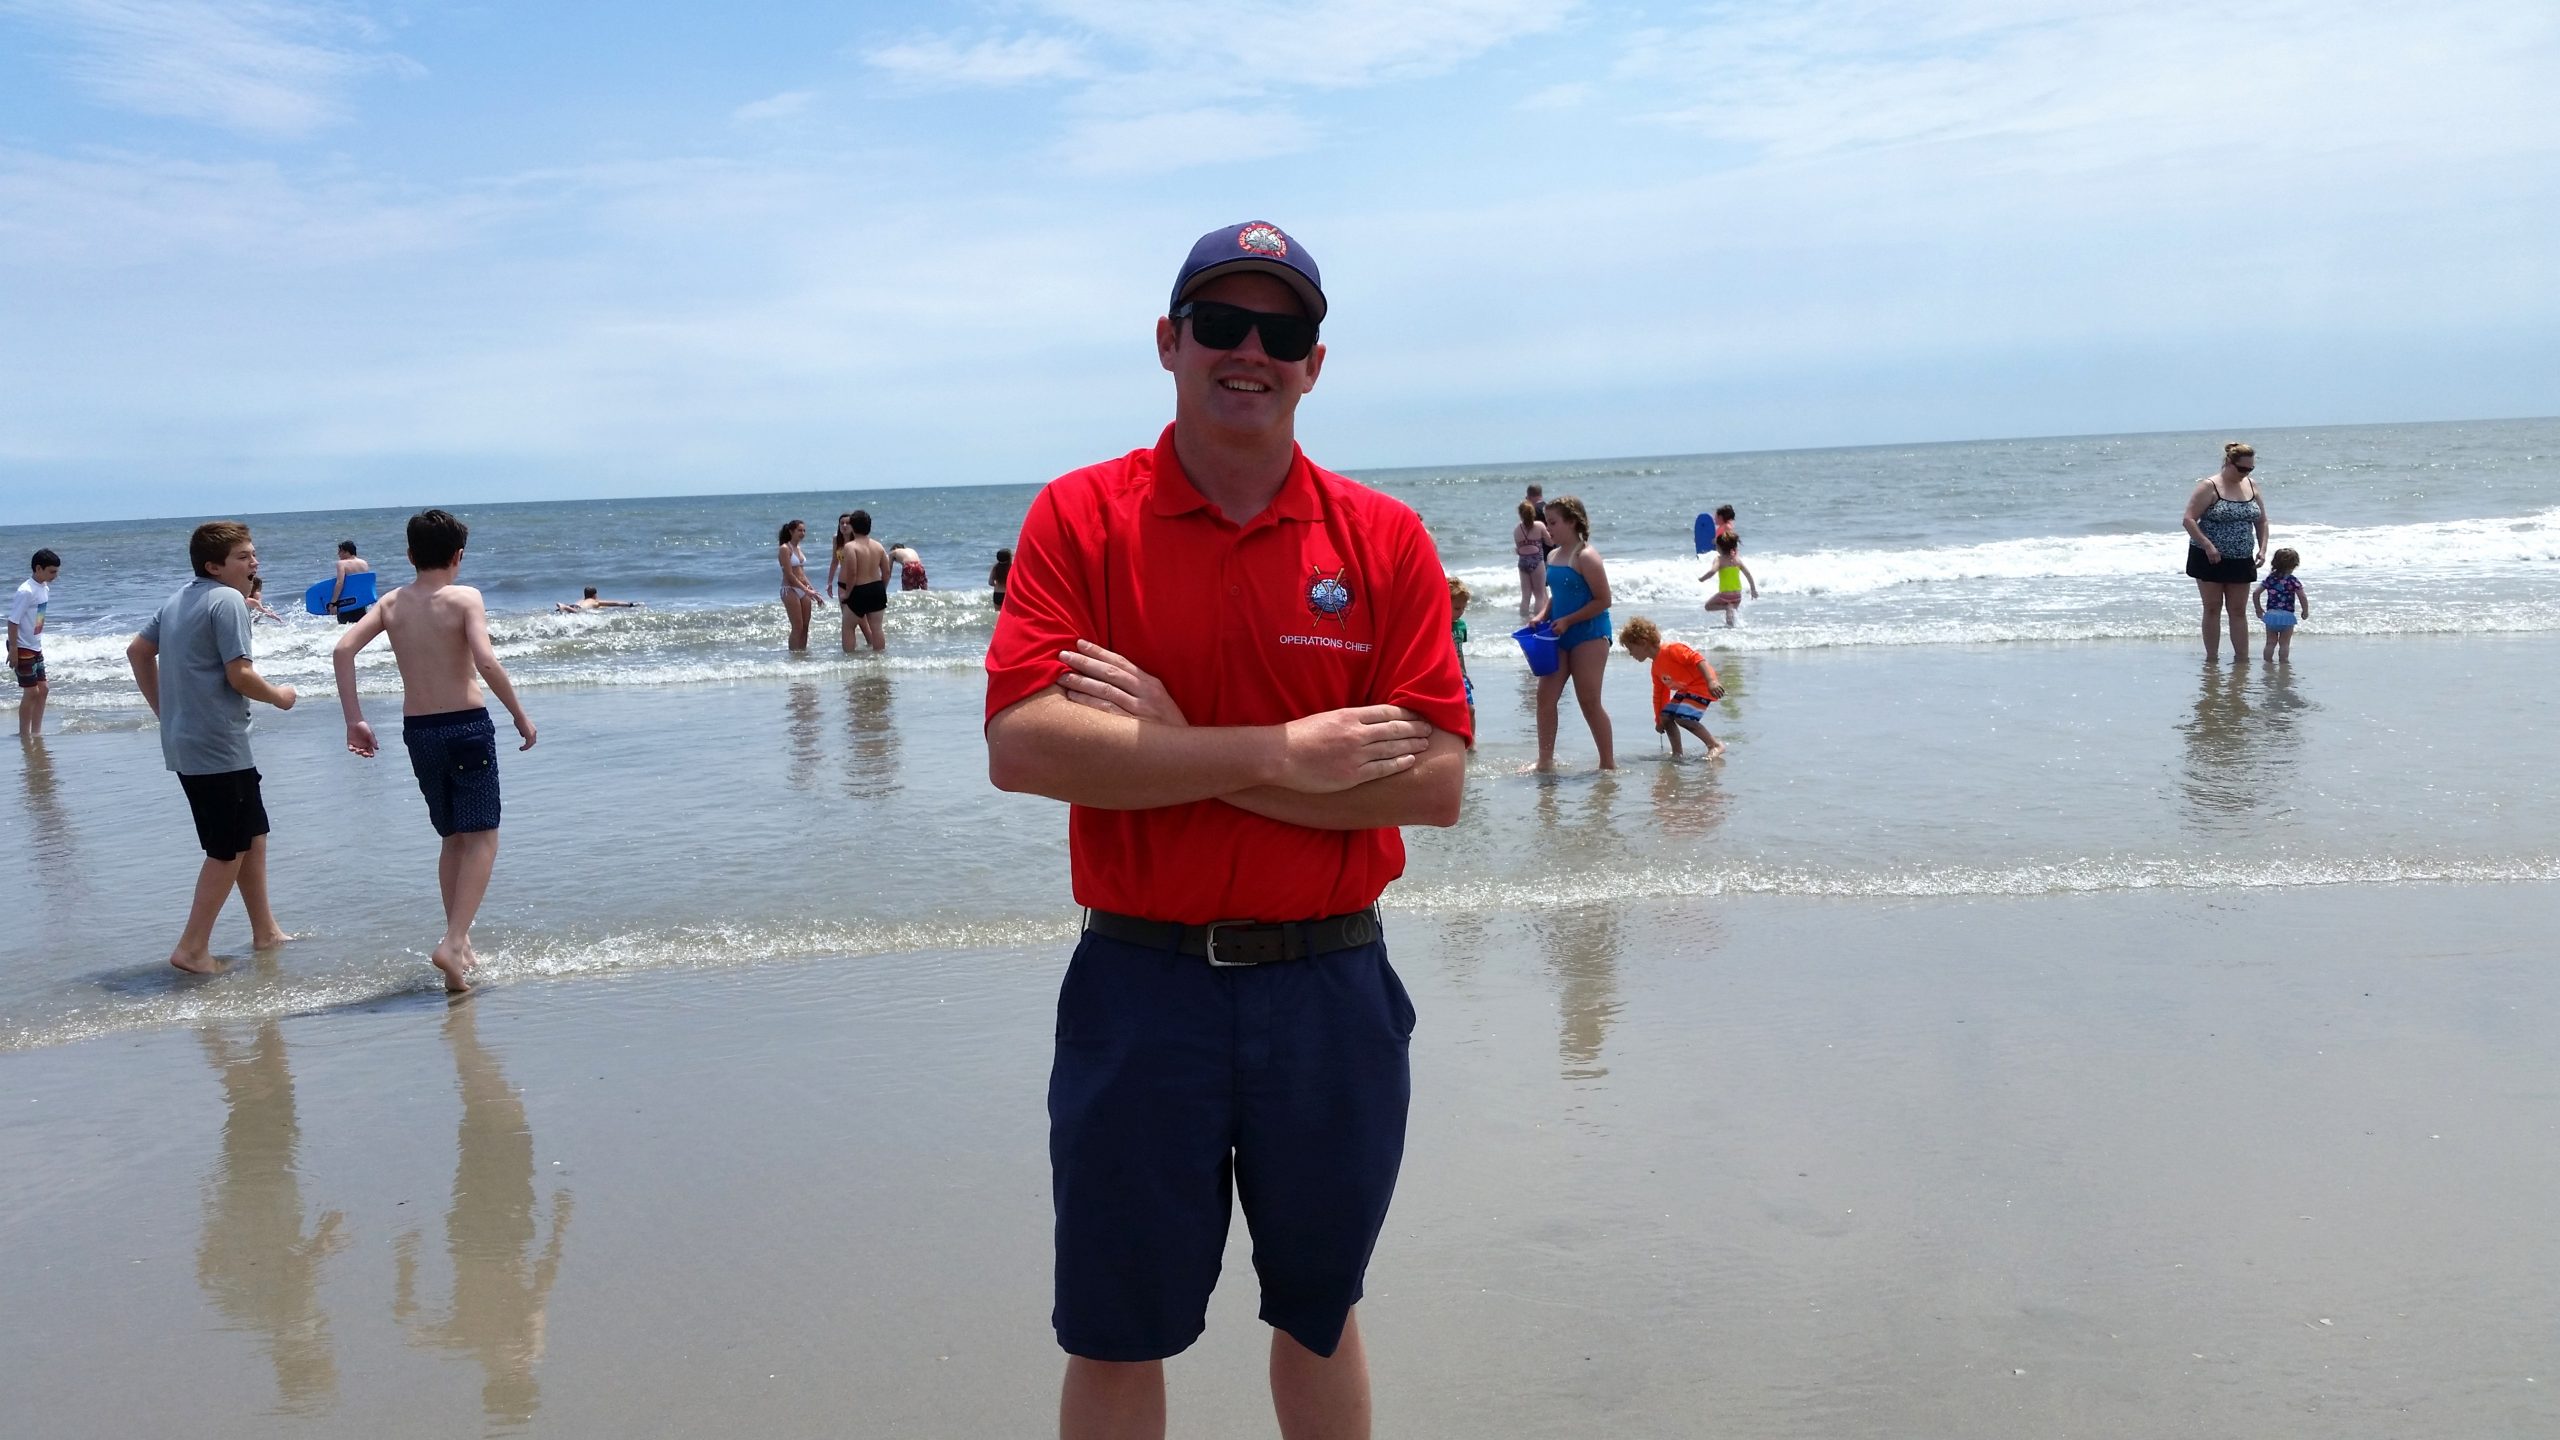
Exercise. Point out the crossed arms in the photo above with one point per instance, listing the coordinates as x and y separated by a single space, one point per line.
1108 736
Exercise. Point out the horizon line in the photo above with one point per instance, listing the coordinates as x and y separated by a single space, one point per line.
1356 472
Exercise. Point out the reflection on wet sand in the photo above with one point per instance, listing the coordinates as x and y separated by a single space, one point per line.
2240 751
255 1263
1688 796
53 843
802 721
1581 946
871 770
501 1287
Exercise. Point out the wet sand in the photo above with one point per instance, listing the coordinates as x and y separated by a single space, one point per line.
2273 1164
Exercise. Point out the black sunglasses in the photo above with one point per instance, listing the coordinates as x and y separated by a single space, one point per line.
1223 327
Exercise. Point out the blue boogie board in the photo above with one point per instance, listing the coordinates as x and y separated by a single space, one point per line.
1706 534
358 594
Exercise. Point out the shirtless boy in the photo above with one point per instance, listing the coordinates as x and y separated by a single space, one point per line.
440 635
863 567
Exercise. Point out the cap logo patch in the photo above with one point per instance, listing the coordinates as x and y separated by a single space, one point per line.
1263 238
1329 596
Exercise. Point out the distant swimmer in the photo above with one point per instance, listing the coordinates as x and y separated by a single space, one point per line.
997 577
835 555
1684 684
2282 604
1730 575
349 563
909 565
2226 524
26 640
1529 545
590 602
1725 526
258 603
440 636
204 731
1577 612
798 595
862 567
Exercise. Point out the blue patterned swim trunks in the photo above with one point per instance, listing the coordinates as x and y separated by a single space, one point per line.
455 756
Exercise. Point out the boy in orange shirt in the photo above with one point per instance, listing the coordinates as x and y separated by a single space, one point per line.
1684 684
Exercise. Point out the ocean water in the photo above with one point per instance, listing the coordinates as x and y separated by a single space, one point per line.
1973 671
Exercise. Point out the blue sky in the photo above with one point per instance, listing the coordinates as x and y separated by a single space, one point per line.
294 254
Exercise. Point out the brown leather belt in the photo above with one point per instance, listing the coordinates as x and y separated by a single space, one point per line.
1229 944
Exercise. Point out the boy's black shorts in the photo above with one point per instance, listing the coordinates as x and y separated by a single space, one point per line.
229 811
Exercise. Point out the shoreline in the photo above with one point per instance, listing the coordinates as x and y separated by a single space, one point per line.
1872 1167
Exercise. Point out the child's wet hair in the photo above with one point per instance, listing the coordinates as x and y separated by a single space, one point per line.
2284 560
1728 544
1639 631
1460 597
1724 512
435 537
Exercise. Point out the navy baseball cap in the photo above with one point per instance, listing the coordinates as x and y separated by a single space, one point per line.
1254 245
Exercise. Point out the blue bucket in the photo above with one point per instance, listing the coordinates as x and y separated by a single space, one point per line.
1539 644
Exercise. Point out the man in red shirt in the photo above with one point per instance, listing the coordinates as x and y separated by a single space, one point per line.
1235 668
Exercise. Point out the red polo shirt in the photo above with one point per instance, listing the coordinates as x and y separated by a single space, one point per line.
1332 597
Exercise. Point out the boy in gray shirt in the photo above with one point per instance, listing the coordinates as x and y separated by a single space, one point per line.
204 732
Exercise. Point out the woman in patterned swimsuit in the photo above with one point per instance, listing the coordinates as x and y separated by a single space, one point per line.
2226 525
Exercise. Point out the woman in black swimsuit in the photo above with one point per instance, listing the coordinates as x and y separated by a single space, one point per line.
2226 525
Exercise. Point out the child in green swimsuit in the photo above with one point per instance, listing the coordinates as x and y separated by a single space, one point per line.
1459 599
1730 576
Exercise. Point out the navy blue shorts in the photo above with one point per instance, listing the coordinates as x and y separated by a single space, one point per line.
1177 1083
455 756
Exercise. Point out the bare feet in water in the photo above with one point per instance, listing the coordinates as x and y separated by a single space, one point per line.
269 942
456 961
195 962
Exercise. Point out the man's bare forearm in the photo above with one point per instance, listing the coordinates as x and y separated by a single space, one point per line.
1427 794
1049 745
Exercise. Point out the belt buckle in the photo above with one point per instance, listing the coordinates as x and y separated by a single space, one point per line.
1209 945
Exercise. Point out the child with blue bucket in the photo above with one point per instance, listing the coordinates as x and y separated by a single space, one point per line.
1572 631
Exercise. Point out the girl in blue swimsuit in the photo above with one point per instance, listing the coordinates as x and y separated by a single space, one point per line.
1577 609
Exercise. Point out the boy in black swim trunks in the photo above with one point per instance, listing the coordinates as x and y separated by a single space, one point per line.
440 635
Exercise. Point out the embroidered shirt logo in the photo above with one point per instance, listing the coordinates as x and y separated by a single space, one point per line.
1263 238
1329 596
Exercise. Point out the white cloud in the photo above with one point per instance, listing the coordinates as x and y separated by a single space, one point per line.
262 67
1321 44
942 61
1169 84
1178 139
2058 84
774 107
